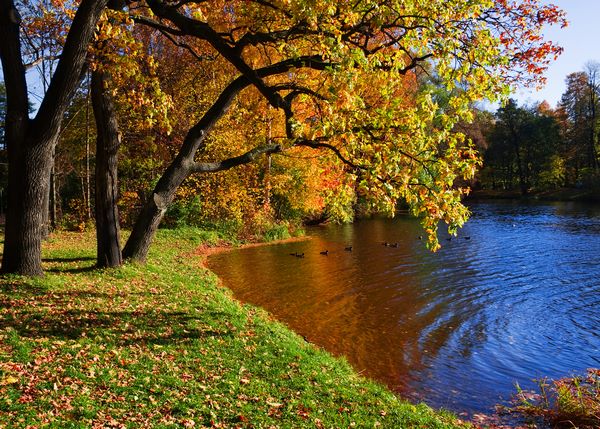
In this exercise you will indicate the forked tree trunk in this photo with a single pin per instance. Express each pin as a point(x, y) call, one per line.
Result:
point(154, 209)
point(108, 232)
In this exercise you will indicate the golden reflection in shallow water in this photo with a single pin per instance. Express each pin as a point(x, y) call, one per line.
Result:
point(457, 328)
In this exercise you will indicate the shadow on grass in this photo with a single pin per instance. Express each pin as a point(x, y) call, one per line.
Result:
point(21, 288)
point(82, 264)
point(78, 259)
point(34, 315)
point(77, 270)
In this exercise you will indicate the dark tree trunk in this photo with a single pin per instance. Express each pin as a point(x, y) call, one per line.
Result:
point(53, 217)
point(108, 232)
point(145, 227)
point(520, 166)
point(28, 186)
point(154, 209)
point(46, 212)
point(31, 143)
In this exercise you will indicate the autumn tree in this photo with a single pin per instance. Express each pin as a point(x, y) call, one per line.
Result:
point(313, 62)
point(332, 72)
point(580, 104)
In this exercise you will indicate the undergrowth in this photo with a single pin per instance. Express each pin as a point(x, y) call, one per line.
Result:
point(570, 402)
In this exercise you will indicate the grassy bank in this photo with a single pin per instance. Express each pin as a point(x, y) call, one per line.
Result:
point(163, 345)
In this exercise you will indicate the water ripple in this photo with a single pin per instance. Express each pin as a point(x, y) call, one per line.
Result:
point(520, 299)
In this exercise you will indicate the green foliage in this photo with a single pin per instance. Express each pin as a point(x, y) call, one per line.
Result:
point(183, 213)
point(277, 232)
point(164, 345)
point(523, 151)
point(553, 173)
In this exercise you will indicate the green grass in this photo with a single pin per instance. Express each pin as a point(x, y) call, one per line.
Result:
point(163, 345)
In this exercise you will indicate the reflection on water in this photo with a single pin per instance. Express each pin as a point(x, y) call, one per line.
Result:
point(520, 299)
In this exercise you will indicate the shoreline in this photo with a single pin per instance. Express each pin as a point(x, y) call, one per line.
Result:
point(565, 194)
point(162, 343)
point(204, 251)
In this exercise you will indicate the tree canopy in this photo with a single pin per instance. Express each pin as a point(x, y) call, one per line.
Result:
point(334, 78)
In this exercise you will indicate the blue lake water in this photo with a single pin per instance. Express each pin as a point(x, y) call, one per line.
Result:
point(456, 329)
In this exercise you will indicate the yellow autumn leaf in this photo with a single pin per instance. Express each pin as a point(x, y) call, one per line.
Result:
point(9, 380)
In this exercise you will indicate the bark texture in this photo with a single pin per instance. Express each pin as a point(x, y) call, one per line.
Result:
point(108, 232)
point(31, 142)
point(28, 178)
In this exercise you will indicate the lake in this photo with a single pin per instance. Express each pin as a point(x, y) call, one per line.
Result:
point(518, 300)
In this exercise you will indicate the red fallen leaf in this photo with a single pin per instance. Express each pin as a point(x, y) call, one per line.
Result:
point(26, 398)
point(244, 380)
point(302, 412)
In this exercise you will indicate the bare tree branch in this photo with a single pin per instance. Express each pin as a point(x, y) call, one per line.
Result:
point(68, 70)
point(226, 164)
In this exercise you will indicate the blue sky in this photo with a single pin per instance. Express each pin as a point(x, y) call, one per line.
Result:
point(581, 43)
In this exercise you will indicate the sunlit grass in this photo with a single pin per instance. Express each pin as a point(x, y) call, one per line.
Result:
point(163, 345)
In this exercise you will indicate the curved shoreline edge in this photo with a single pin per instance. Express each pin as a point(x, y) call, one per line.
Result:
point(164, 345)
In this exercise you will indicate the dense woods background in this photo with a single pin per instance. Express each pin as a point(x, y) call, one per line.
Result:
point(526, 149)
point(536, 148)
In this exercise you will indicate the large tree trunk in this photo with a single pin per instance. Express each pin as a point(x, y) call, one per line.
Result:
point(153, 211)
point(30, 143)
point(28, 186)
point(108, 232)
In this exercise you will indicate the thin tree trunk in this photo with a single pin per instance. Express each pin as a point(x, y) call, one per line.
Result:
point(53, 217)
point(87, 198)
point(45, 230)
point(108, 232)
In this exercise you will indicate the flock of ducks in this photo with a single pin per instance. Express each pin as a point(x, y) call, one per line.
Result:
point(385, 243)
point(324, 252)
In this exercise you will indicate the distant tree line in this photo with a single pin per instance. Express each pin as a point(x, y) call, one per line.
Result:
point(537, 148)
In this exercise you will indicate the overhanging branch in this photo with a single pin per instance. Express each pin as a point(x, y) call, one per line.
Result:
point(213, 167)
point(316, 144)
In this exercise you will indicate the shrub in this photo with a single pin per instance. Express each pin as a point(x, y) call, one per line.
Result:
point(568, 402)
